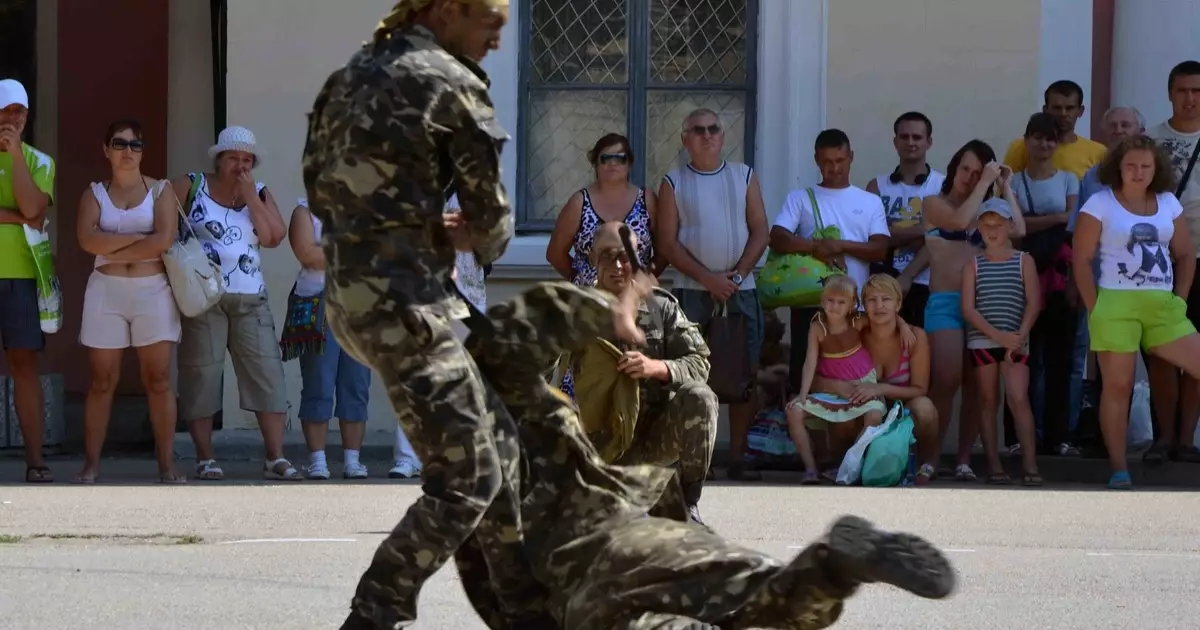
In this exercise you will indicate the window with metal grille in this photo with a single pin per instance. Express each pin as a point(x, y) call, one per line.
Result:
point(636, 67)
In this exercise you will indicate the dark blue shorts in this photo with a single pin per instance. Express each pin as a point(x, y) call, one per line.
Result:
point(20, 325)
point(697, 306)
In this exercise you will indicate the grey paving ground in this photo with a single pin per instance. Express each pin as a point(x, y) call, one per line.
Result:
point(129, 554)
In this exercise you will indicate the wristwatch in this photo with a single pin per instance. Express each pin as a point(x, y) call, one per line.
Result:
point(737, 278)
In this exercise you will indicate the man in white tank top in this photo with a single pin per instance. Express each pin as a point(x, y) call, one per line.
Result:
point(902, 191)
point(712, 227)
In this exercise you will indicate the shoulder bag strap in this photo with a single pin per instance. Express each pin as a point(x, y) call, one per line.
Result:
point(812, 199)
point(191, 198)
point(1187, 173)
point(1028, 193)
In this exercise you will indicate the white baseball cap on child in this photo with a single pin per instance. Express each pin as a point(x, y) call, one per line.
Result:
point(13, 93)
point(995, 205)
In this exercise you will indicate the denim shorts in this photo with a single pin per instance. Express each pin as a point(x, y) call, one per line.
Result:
point(20, 324)
point(329, 376)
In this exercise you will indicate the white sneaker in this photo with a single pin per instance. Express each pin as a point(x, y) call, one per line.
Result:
point(354, 471)
point(318, 471)
point(404, 469)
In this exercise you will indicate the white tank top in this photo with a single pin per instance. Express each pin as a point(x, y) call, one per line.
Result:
point(310, 282)
point(136, 220)
point(712, 217)
point(902, 204)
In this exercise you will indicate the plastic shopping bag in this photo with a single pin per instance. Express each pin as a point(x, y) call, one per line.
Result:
point(852, 465)
point(48, 290)
point(1140, 433)
point(887, 457)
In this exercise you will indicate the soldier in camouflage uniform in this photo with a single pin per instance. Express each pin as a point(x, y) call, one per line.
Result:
point(404, 124)
point(677, 421)
point(603, 562)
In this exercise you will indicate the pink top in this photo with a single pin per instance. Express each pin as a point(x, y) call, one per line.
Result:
point(852, 365)
point(901, 376)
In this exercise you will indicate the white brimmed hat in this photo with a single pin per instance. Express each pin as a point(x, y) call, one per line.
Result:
point(13, 93)
point(235, 139)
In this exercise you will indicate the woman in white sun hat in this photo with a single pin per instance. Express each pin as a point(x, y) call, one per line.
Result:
point(233, 216)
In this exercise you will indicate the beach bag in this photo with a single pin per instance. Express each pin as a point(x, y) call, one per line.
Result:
point(49, 292)
point(731, 376)
point(303, 327)
point(887, 456)
point(196, 281)
point(850, 470)
point(796, 280)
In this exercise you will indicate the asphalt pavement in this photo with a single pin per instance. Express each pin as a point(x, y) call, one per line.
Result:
point(246, 554)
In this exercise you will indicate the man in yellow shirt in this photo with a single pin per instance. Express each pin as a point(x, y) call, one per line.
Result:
point(26, 190)
point(1064, 101)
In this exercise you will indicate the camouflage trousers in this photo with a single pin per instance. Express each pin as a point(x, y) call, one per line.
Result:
point(465, 439)
point(659, 574)
point(683, 431)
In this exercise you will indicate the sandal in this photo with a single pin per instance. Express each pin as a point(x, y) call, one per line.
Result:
point(207, 470)
point(925, 474)
point(1189, 454)
point(280, 470)
point(830, 475)
point(1032, 480)
point(85, 479)
point(172, 478)
point(1155, 455)
point(811, 478)
point(38, 474)
point(1120, 481)
point(999, 479)
point(964, 473)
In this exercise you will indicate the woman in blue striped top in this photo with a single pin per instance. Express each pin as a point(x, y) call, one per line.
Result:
point(1001, 302)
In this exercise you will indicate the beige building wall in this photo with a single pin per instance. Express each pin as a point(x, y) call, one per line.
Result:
point(970, 65)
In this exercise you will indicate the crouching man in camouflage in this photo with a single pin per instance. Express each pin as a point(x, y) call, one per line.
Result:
point(406, 122)
point(604, 564)
point(677, 416)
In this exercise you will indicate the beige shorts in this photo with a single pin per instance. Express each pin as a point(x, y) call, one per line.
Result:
point(243, 325)
point(120, 312)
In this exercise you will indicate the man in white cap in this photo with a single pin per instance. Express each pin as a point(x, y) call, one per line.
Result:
point(26, 190)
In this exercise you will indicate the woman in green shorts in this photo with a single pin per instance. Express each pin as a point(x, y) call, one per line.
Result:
point(1146, 262)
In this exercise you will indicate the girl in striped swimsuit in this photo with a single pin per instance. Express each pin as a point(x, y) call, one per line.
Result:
point(1001, 302)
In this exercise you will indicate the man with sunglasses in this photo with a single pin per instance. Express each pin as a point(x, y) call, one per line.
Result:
point(716, 259)
point(26, 190)
point(676, 420)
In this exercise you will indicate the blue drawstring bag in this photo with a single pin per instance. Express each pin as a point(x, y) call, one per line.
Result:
point(887, 456)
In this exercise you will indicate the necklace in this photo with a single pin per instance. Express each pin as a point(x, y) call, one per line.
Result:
point(1128, 203)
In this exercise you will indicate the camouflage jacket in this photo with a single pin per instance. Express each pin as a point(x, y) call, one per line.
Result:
point(396, 131)
point(670, 337)
point(571, 497)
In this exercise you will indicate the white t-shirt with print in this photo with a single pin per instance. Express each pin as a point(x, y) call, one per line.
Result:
point(229, 239)
point(902, 205)
point(468, 275)
point(1134, 250)
point(857, 213)
point(1179, 146)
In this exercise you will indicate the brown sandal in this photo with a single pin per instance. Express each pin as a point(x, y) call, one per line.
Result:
point(999, 479)
point(1032, 480)
point(38, 474)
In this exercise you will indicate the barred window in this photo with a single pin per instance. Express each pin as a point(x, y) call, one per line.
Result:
point(636, 67)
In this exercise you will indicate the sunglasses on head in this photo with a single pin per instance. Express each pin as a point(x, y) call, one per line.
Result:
point(613, 158)
point(120, 144)
point(711, 130)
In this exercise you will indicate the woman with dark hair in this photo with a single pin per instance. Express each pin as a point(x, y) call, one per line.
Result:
point(1048, 197)
point(1147, 263)
point(610, 197)
point(127, 223)
point(949, 219)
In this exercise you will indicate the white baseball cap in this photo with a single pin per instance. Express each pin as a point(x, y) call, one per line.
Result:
point(13, 93)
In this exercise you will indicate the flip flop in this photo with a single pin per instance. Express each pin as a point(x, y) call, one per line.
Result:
point(1032, 480)
point(1120, 481)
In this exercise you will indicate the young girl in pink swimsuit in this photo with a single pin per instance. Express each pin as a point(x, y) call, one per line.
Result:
point(835, 352)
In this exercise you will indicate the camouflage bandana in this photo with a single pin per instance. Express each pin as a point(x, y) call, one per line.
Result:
point(405, 10)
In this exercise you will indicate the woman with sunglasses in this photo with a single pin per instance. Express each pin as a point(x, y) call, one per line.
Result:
point(128, 222)
point(610, 197)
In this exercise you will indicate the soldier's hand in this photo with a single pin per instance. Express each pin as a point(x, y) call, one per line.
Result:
point(642, 367)
point(456, 225)
point(625, 308)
